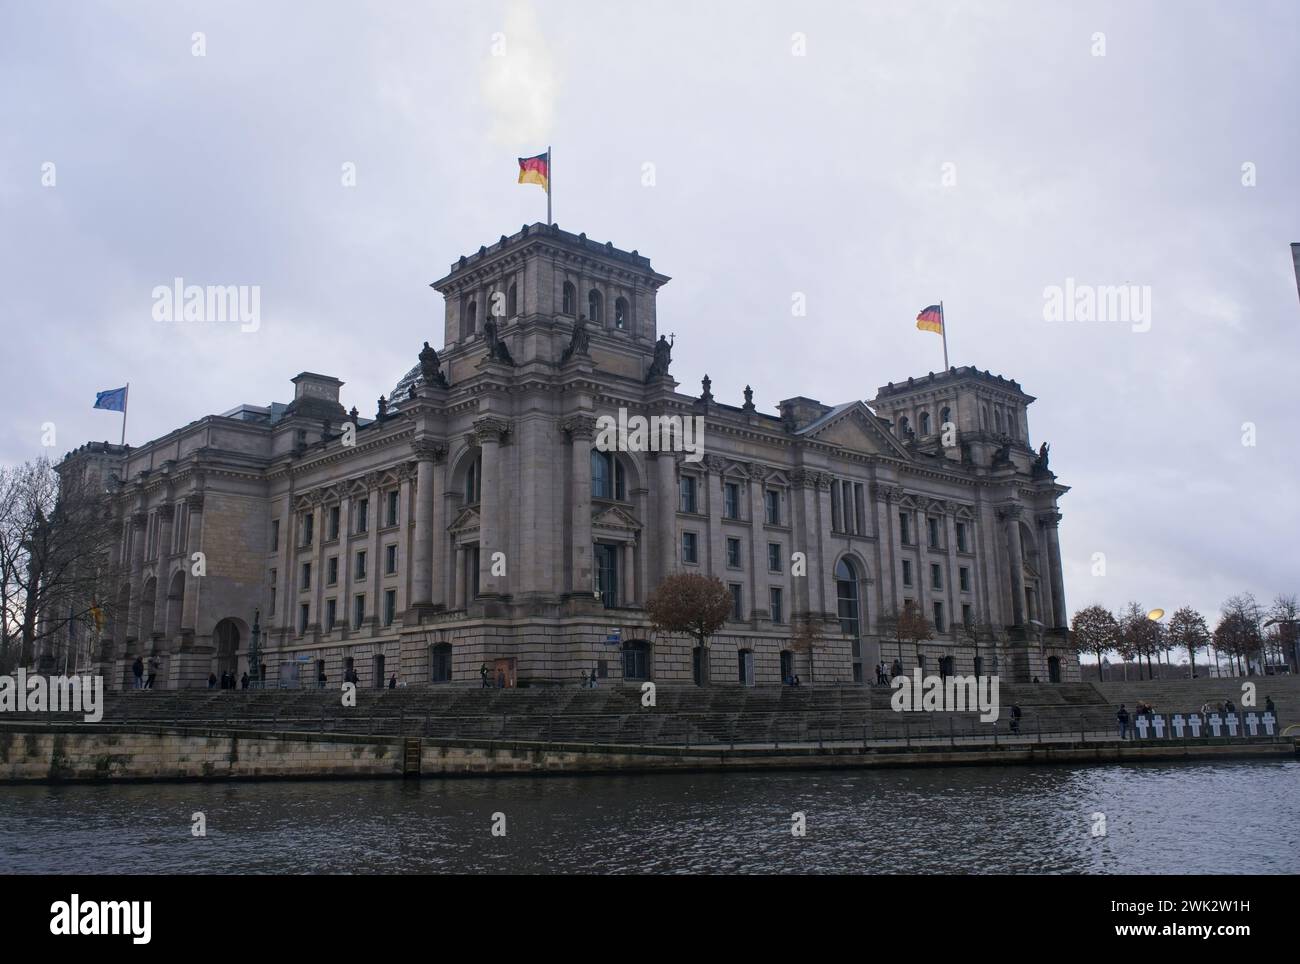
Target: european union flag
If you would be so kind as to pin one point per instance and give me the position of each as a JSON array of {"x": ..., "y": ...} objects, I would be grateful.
[{"x": 114, "y": 399}]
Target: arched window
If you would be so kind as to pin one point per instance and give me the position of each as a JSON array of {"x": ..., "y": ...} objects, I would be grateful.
[
  {"x": 846, "y": 590},
  {"x": 997, "y": 420},
  {"x": 606, "y": 476},
  {"x": 595, "y": 304},
  {"x": 620, "y": 313},
  {"x": 473, "y": 483},
  {"x": 471, "y": 318},
  {"x": 570, "y": 300},
  {"x": 945, "y": 416},
  {"x": 903, "y": 426},
  {"x": 512, "y": 301},
  {"x": 984, "y": 417},
  {"x": 925, "y": 423}
]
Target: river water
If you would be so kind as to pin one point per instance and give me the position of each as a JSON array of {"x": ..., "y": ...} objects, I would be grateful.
[{"x": 1226, "y": 817}]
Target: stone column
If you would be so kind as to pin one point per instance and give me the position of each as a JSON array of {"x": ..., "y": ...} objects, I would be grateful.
[
  {"x": 190, "y": 607},
  {"x": 716, "y": 561},
  {"x": 166, "y": 516},
  {"x": 665, "y": 513},
  {"x": 139, "y": 521},
  {"x": 951, "y": 582},
  {"x": 490, "y": 432},
  {"x": 1051, "y": 522},
  {"x": 428, "y": 455},
  {"x": 581, "y": 429},
  {"x": 1010, "y": 516}
]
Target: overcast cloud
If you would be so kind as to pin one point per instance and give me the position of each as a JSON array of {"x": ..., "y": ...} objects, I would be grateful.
[{"x": 774, "y": 174}]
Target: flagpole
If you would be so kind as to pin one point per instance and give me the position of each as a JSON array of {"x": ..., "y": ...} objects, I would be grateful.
[
  {"x": 943, "y": 330},
  {"x": 126, "y": 398},
  {"x": 550, "y": 174}
]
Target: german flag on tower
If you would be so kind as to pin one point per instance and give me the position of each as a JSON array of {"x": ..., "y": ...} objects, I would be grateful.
[
  {"x": 536, "y": 170},
  {"x": 931, "y": 319}
]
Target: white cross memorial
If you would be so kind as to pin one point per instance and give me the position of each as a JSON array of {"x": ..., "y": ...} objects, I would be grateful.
[
  {"x": 1268, "y": 720},
  {"x": 1159, "y": 723},
  {"x": 1177, "y": 722},
  {"x": 1252, "y": 724},
  {"x": 1232, "y": 724},
  {"x": 1194, "y": 721},
  {"x": 1216, "y": 724},
  {"x": 1141, "y": 727}
]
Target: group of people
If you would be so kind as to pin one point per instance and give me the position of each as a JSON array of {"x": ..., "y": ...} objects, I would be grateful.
[
  {"x": 143, "y": 682},
  {"x": 1222, "y": 708},
  {"x": 485, "y": 676},
  {"x": 228, "y": 681},
  {"x": 792, "y": 680}
]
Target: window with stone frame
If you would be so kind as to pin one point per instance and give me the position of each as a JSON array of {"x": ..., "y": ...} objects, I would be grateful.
[
  {"x": 774, "y": 604},
  {"x": 390, "y": 559},
  {"x": 731, "y": 500},
  {"x": 737, "y": 600},
  {"x": 363, "y": 516},
  {"x": 392, "y": 508},
  {"x": 733, "y": 553},
  {"x": 390, "y": 606},
  {"x": 963, "y": 579},
  {"x": 774, "y": 557},
  {"x": 772, "y": 506},
  {"x": 358, "y": 610},
  {"x": 962, "y": 545},
  {"x": 332, "y": 529},
  {"x": 690, "y": 548},
  {"x": 688, "y": 501},
  {"x": 359, "y": 569},
  {"x": 936, "y": 576},
  {"x": 332, "y": 571}
]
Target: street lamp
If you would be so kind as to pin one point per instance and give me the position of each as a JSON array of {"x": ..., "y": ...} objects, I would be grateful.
[
  {"x": 255, "y": 651},
  {"x": 1155, "y": 616}
]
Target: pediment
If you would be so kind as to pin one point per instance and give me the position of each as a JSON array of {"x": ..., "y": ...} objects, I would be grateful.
[
  {"x": 466, "y": 521},
  {"x": 615, "y": 517},
  {"x": 854, "y": 429}
]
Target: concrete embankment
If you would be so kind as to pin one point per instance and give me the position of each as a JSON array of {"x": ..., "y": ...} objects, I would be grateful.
[{"x": 113, "y": 753}]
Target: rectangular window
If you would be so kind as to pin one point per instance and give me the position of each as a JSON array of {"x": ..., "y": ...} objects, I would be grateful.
[
  {"x": 774, "y": 557},
  {"x": 961, "y": 537},
  {"x": 607, "y": 573},
  {"x": 392, "y": 508},
  {"x": 837, "y": 517},
  {"x": 731, "y": 500},
  {"x": 936, "y": 576},
  {"x": 967, "y": 616},
  {"x": 907, "y": 573},
  {"x": 772, "y": 503},
  {"x": 690, "y": 548},
  {"x": 938, "y": 618},
  {"x": 331, "y": 614},
  {"x": 774, "y": 604},
  {"x": 687, "y": 494},
  {"x": 737, "y": 610},
  {"x": 363, "y": 516},
  {"x": 308, "y": 528},
  {"x": 306, "y": 575},
  {"x": 303, "y": 612},
  {"x": 273, "y": 594},
  {"x": 332, "y": 571},
  {"x": 334, "y": 522},
  {"x": 733, "y": 553},
  {"x": 933, "y": 526},
  {"x": 358, "y": 611},
  {"x": 963, "y": 579},
  {"x": 359, "y": 570},
  {"x": 905, "y": 528},
  {"x": 390, "y": 607},
  {"x": 390, "y": 559},
  {"x": 275, "y": 535}
]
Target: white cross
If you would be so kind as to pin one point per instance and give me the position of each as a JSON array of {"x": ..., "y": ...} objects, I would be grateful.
[
  {"x": 1141, "y": 727},
  {"x": 1178, "y": 725},
  {"x": 1159, "y": 724},
  {"x": 1194, "y": 721},
  {"x": 1215, "y": 724},
  {"x": 1268, "y": 720},
  {"x": 1252, "y": 724},
  {"x": 1232, "y": 724}
]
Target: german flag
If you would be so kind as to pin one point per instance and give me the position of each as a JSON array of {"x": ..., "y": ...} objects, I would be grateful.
[
  {"x": 931, "y": 319},
  {"x": 536, "y": 170}
]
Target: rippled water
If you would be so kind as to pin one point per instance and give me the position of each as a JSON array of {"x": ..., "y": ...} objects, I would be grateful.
[{"x": 1184, "y": 818}]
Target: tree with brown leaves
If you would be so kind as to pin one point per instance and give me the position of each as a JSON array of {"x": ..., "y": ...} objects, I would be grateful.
[{"x": 692, "y": 604}]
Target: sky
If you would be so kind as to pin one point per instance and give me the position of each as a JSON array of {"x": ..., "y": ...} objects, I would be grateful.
[{"x": 867, "y": 158}]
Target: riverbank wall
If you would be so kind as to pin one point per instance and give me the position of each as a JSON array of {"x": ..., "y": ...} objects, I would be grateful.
[{"x": 115, "y": 753}]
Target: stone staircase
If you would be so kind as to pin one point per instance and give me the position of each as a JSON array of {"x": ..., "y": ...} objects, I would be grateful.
[{"x": 682, "y": 715}]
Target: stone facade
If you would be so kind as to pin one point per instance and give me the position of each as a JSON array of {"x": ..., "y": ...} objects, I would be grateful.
[{"x": 476, "y": 520}]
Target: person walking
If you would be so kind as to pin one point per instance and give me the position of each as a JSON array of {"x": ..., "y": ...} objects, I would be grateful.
[
  {"x": 243, "y": 683},
  {"x": 212, "y": 681},
  {"x": 392, "y": 682},
  {"x": 1122, "y": 716},
  {"x": 137, "y": 670},
  {"x": 1015, "y": 717},
  {"x": 483, "y": 675}
]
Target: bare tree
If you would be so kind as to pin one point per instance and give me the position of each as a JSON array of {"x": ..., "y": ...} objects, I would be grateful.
[
  {"x": 692, "y": 604},
  {"x": 808, "y": 638},
  {"x": 56, "y": 537}
]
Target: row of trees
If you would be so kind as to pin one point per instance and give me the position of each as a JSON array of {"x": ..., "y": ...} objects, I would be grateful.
[
  {"x": 1245, "y": 633},
  {"x": 55, "y": 537}
]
